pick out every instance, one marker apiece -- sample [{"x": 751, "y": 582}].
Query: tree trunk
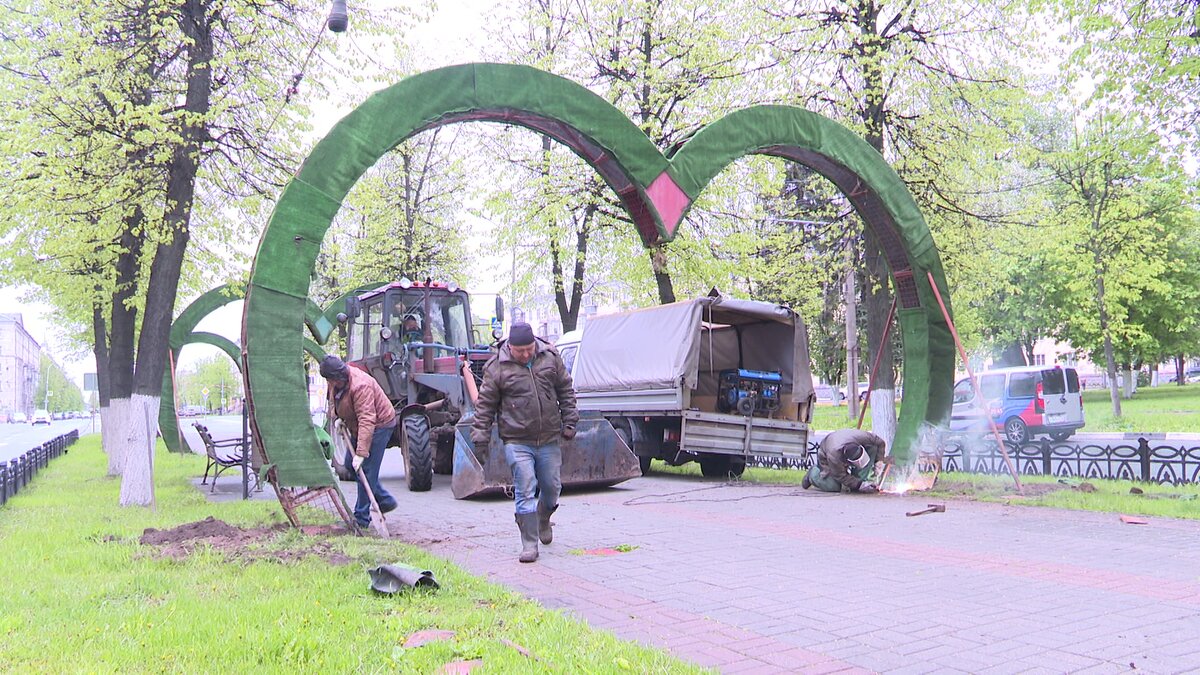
[
  {"x": 1179, "y": 370},
  {"x": 100, "y": 351},
  {"x": 662, "y": 276},
  {"x": 137, "y": 487},
  {"x": 1012, "y": 354},
  {"x": 1130, "y": 383},
  {"x": 121, "y": 336},
  {"x": 140, "y": 425},
  {"x": 876, "y": 298},
  {"x": 1110, "y": 360}
]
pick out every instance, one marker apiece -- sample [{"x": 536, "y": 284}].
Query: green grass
[
  {"x": 82, "y": 594},
  {"x": 1167, "y": 408},
  {"x": 1111, "y": 496}
]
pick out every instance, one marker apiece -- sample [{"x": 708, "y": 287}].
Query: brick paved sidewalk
[{"x": 774, "y": 579}]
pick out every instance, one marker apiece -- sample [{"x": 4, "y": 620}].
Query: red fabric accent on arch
[{"x": 669, "y": 200}]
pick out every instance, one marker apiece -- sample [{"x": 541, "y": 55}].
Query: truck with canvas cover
[
  {"x": 714, "y": 380},
  {"x": 416, "y": 339}
]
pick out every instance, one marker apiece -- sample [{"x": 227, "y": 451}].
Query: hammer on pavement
[{"x": 933, "y": 508}]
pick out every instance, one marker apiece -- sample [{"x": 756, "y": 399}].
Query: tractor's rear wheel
[{"x": 418, "y": 455}]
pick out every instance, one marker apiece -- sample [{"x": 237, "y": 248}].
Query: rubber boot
[
  {"x": 528, "y": 524},
  {"x": 544, "y": 532}
]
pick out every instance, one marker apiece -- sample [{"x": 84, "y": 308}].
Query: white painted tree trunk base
[
  {"x": 883, "y": 415},
  {"x": 113, "y": 419},
  {"x": 139, "y": 435}
]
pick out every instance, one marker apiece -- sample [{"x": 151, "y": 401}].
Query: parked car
[
  {"x": 18, "y": 418},
  {"x": 191, "y": 411},
  {"x": 827, "y": 393},
  {"x": 862, "y": 391},
  {"x": 1022, "y": 401},
  {"x": 40, "y": 417}
]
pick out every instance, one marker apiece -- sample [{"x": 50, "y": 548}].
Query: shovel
[{"x": 378, "y": 523}]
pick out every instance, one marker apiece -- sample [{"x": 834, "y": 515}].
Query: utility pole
[{"x": 851, "y": 343}]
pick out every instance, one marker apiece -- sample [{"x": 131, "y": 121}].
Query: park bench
[{"x": 222, "y": 455}]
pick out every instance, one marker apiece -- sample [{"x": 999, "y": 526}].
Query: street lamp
[{"x": 49, "y": 393}]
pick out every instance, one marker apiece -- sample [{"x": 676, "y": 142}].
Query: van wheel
[
  {"x": 714, "y": 466},
  {"x": 1015, "y": 431},
  {"x": 1061, "y": 435}
]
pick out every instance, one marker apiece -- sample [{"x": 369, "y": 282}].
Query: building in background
[{"x": 20, "y": 356}]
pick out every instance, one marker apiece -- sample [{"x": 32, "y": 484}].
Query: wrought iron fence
[
  {"x": 17, "y": 473},
  {"x": 1168, "y": 464}
]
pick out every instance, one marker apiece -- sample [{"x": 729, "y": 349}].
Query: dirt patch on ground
[
  {"x": 967, "y": 489},
  {"x": 238, "y": 543}
]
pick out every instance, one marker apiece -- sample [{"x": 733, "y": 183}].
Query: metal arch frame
[
  {"x": 656, "y": 190},
  {"x": 320, "y": 324}
]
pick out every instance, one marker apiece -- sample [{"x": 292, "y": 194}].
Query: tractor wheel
[
  {"x": 714, "y": 466},
  {"x": 418, "y": 455},
  {"x": 443, "y": 456}
]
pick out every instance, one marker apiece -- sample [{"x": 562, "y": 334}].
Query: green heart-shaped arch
[
  {"x": 656, "y": 190},
  {"x": 320, "y": 324}
]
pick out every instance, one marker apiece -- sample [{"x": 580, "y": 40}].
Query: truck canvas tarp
[
  {"x": 688, "y": 343},
  {"x": 715, "y": 380}
]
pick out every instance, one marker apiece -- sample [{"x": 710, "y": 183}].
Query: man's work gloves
[
  {"x": 483, "y": 443},
  {"x": 568, "y": 433},
  {"x": 868, "y": 487},
  {"x": 357, "y": 462}
]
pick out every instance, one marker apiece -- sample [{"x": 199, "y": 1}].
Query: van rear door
[{"x": 1060, "y": 391}]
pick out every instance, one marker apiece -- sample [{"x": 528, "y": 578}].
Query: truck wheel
[
  {"x": 714, "y": 466},
  {"x": 737, "y": 466},
  {"x": 418, "y": 456},
  {"x": 644, "y": 462}
]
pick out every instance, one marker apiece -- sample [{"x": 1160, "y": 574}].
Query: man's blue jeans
[
  {"x": 370, "y": 467},
  {"x": 535, "y": 471}
]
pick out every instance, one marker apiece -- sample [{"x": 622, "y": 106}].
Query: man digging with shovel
[{"x": 358, "y": 400}]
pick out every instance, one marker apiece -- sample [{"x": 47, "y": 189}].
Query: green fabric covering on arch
[{"x": 628, "y": 162}]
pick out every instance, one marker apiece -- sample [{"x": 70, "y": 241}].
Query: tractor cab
[{"x": 407, "y": 329}]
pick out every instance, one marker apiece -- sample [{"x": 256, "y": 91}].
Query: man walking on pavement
[
  {"x": 527, "y": 393},
  {"x": 845, "y": 459},
  {"x": 358, "y": 400}
]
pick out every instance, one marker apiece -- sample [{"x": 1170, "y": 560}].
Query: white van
[{"x": 1023, "y": 401}]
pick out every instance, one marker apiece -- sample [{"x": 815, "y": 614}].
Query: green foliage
[
  {"x": 218, "y": 374},
  {"x": 63, "y": 395},
  {"x": 90, "y": 588},
  {"x": 404, "y": 218}
]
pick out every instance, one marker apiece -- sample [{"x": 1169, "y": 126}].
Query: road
[{"x": 16, "y": 439}]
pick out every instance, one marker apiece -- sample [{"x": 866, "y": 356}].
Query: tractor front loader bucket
[{"x": 595, "y": 457}]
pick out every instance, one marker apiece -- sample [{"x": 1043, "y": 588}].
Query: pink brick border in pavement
[{"x": 741, "y": 585}]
